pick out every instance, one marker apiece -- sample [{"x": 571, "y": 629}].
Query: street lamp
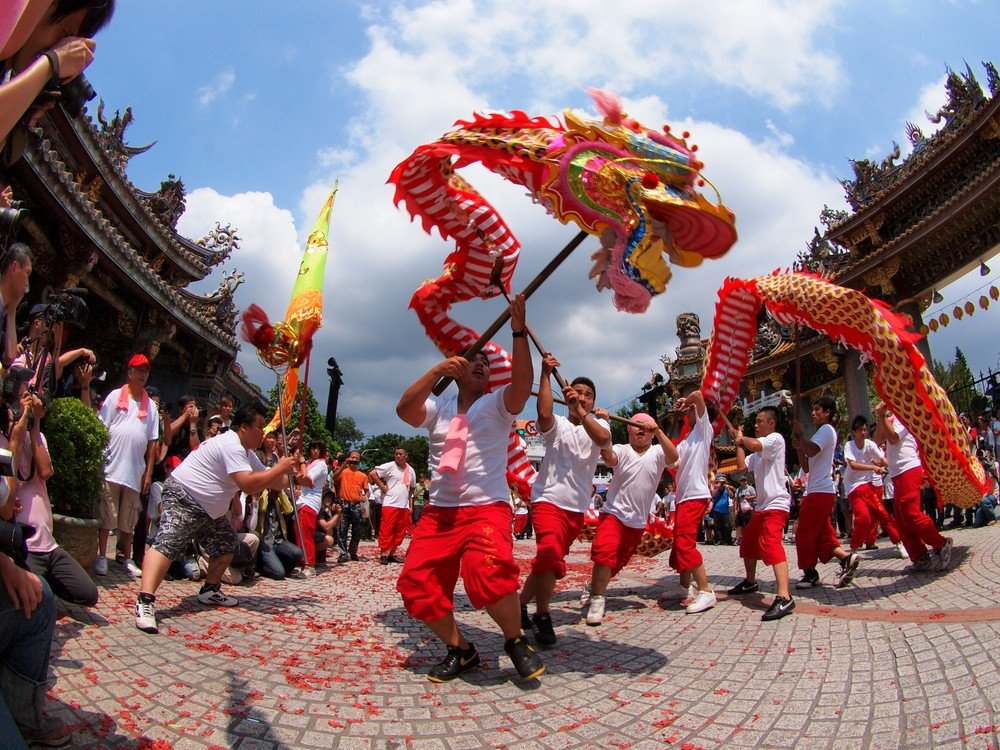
[{"x": 336, "y": 380}]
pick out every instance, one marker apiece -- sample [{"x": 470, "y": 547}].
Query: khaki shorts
[{"x": 119, "y": 507}]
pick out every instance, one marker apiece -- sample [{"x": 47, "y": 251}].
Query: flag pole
[{"x": 291, "y": 479}]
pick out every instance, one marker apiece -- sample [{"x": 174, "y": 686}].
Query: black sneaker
[
  {"x": 527, "y": 663},
  {"x": 383, "y": 560},
  {"x": 778, "y": 609},
  {"x": 810, "y": 578},
  {"x": 525, "y": 620},
  {"x": 542, "y": 626},
  {"x": 454, "y": 664},
  {"x": 849, "y": 568},
  {"x": 396, "y": 559},
  {"x": 744, "y": 587},
  {"x": 343, "y": 557}
]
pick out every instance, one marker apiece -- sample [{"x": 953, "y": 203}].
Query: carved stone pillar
[{"x": 855, "y": 385}]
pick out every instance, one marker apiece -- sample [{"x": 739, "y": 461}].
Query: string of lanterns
[{"x": 960, "y": 311}]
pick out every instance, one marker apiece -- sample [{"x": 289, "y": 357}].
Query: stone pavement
[{"x": 895, "y": 661}]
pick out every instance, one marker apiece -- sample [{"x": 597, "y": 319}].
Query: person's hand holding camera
[
  {"x": 83, "y": 374},
  {"x": 74, "y": 54}
]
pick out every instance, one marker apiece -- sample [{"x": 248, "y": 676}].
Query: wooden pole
[
  {"x": 505, "y": 316},
  {"x": 612, "y": 417},
  {"x": 302, "y": 407}
]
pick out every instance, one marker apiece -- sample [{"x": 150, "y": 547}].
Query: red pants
[
  {"x": 915, "y": 527},
  {"x": 684, "y": 555},
  {"x": 393, "y": 528},
  {"x": 614, "y": 543},
  {"x": 761, "y": 538},
  {"x": 555, "y": 531},
  {"x": 307, "y": 519},
  {"x": 520, "y": 522},
  {"x": 474, "y": 540},
  {"x": 815, "y": 539},
  {"x": 869, "y": 511}
]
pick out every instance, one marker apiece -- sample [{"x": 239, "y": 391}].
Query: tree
[
  {"x": 381, "y": 449},
  {"x": 315, "y": 427},
  {"x": 619, "y": 431},
  {"x": 346, "y": 435}
]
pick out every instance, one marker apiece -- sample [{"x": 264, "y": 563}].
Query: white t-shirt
[
  {"x": 481, "y": 477},
  {"x": 566, "y": 476},
  {"x": 768, "y": 467},
  {"x": 634, "y": 484},
  {"x": 821, "y": 465},
  {"x": 311, "y": 495},
  {"x": 130, "y": 437},
  {"x": 902, "y": 454},
  {"x": 866, "y": 454},
  {"x": 398, "y": 493},
  {"x": 206, "y": 472},
  {"x": 692, "y": 463},
  {"x": 746, "y": 497},
  {"x": 671, "y": 501}
]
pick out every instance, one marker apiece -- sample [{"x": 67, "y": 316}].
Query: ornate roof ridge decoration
[
  {"x": 872, "y": 180},
  {"x": 165, "y": 236},
  {"x": 822, "y": 256},
  {"x": 218, "y": 306},
  {"x": 218, "y": 244},
  {"x": 105, "y": 235},
  {"x": 111, "y": 136},
  {"x": 168, "y": 203}
]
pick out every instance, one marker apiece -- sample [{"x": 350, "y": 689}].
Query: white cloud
[{"x": 219, "y": 86}]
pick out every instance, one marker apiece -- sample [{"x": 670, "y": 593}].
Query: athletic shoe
[
  {"x": 307, "y": 572},
  {"x": 849, "y": 569},
  {"x": 383, "y": 560},
  {"x": 213, "y": 595},
  {"x": 120, "y": 557},
  {"x": 810, "y": 578},
  {"x": 101, "y": 566},
  {"x": 779, "y": 608},
  {"x": 585, "y": 596},
  {"x": 679, "y": 592},
  {"x": 343, "y": 557},
  {"x": 542, "y": 627},
  {"x": 525, "y": 620},
  {"x": 396, "y": 559},
  {"x": 702, "y": 600},
  {"x": 145, "y": 617},
  {"x": 923, "y": 565},
  {"x": 901, "y": 551},
  {"x": 525, "y": 659},
  {"x": 457, "y": 662},
  {"x": 595, "y": 614},
  {"x": 133, "y": 570},
  {"x": 744, "y": 587},
  {"x": 60, "y": 736},
  {"x": 942, "y": 556}
]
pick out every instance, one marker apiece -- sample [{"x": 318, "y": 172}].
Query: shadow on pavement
[{"x": 245, "y": 721}]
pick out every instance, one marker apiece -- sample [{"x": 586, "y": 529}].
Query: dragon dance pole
[
  {"x": 302, "y": 406},
  {"x": 291, "y": 480}
]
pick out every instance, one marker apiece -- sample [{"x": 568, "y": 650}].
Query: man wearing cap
[
  {"x": 134, "y": 426},
  {"x": 52, "y": 367},
  {"x": 638, "y": 468}
]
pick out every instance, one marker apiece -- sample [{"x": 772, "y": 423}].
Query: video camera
[{"x": 66, "y": 305}]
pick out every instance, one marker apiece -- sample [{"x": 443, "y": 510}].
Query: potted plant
[{"x": 78, "y": 441}]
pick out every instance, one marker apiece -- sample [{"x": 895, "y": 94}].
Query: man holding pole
[
  {"x": 561, "y": 493},
  {"x": 466, "y": 528},
  {"x": 195, "y": 500}
]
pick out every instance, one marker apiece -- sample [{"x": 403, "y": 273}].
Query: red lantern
[
  {"x": 984, "y": 302},
  {"x": 969, "y": 308},
  {"x": 933, "y": 324}
]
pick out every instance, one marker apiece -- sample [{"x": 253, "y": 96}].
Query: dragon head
[{"x": 636, "y": 189}]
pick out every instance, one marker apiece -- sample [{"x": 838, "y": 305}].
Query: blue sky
[{"x": 259, "y": 106}]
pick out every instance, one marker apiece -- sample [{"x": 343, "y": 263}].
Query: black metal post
[{"x": 336, "y": 380}]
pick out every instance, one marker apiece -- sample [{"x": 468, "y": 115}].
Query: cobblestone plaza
[{"x": 907, "y": 661}]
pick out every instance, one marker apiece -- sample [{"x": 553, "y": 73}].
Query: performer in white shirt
[
  {"x": 395, "y": 479},
  {"x": 863, "y": 460},
  {"x": 638, "y": 468},
  {"x": 561, "y": 494},
  {"x": 762, "y": 537},
  {"x": 915, "y": 527},
  {"x": 815, "y": 537}
]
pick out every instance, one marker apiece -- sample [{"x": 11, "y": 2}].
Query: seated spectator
[
  {"x": 30, "y": 505},
  {"x": 277, "y": 556},
  {"x": 327, "y": 524}
]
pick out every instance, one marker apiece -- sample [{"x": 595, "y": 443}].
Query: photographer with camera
[
  {"x": 30, "y": 505},
  {"x": 43, "y": 60},
  {"x": 182, "y": 432},
  {"x": 15, "y": 268},
  {"x": 134, "y": 426},
  {"x": 41, "y": 348}
]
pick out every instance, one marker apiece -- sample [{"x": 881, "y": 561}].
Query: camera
[
  {"x": 10, "y": 219},
  {"x": 74, "y": 95},
  {"x": 14, "y": 540},
  {"x": 66, "y": 305}
]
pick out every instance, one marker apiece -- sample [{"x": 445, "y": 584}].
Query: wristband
[
  {"x": 53, "y": 59},
  {"x": 518, "y": 334}
]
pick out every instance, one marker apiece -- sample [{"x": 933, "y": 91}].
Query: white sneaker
[
  {"x": 133, "y": 570},
  {"x": 101, "y": 566},
  {"x": 595, "y": 615},
  {"x": 585, "y": 596},
  {"x": 306, "y": 572},
  {"x": 215, "y": 597},
  {"x": 702, "y": 600},
  {"x": 942, "y": 556},
  {"x": 901, "y": 551},
  {"x": 145, "y": 617}
]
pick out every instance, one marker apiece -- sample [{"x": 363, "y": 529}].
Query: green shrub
[{"x": 77, "y": 441}]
